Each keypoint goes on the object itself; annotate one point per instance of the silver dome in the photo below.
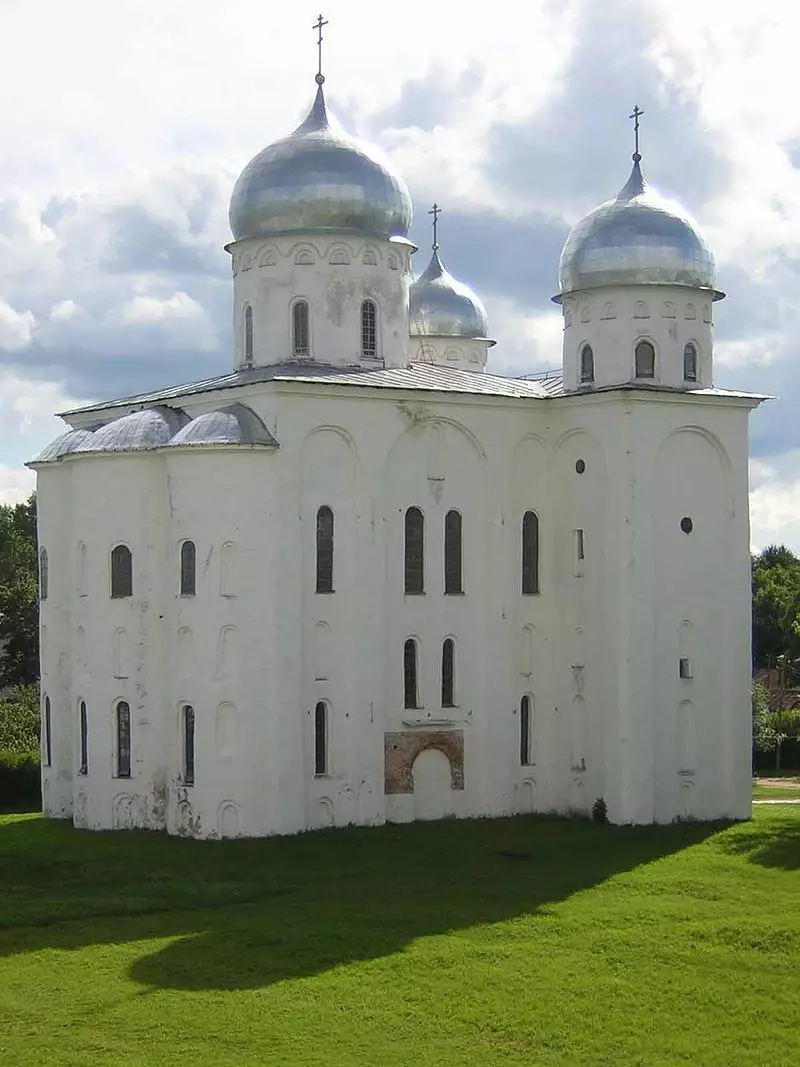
(440, 306)
(235, 424)
(319, 178)
(64, 445)
(638, 238)
(149, 428)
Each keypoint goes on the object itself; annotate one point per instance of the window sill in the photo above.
(459, 593)
(186, 596)
(322, 774)
(536, 593)
(420, 593)
(83, 772)
(324, 592)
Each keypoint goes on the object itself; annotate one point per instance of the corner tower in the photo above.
(638, 283)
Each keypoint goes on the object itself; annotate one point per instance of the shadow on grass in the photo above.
(775, 846)
(245, 914)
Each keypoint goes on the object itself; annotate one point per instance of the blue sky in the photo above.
(121, 143)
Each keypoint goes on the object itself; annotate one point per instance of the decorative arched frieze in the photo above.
(690, 312)
(338, 255)
(667, 310)
(304, 257)
(586, 313)
(609, 310)
(267, 255)
(641, 310)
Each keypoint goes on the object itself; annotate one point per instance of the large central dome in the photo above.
(319, 179)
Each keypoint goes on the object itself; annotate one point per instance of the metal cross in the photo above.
(637, 111)
(320, 78)
(436, 212)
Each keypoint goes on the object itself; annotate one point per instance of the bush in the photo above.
(600, 810)
(19, 719)
(20, 781)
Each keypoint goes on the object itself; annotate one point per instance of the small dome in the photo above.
(235, 424)
(149, 428)
(319, 178)
(440, 306)
(638, 238)
(68, 442)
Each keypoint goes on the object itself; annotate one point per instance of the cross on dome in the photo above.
(637, 111)
(320, 77)
(436, 212)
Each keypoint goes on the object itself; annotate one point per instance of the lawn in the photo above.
(525, 941)
(777, 786)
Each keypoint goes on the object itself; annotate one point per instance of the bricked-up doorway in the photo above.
(428, 764)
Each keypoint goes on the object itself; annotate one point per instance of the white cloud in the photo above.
(64, 310)
(16, 484)
(16, 328)
(148, 309)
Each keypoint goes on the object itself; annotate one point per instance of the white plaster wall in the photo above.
(460, 353)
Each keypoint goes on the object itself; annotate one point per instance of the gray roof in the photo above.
(67, 443)
(150, 428)
(235, 424)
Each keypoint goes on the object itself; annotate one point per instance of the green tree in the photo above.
(776, 607)
(765, 735)
(19, 595)
(19, 719)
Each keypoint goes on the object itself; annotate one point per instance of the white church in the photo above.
(359, 578)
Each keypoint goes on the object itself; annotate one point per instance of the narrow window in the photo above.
(248, 334)
(580, 545)
(123, 717)
(121, 571)
(369, 337)
(690, 363)
(410, 698)
(188, 744)
(48, 734)
(448, 673)
(415, 552)
(530, 552)
(684, 667)
(587, 364)
(43, 574)
(325, 550)
(321, 738)
(645, 360)
(452, 553)
(188, 569)
(83, 726)
(525, 731)
(300, 345)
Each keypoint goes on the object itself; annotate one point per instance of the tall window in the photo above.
(248, 334)
(121, 571)
(690, 363)
(123, 724)
(188, 569)
(83, 728)
(410, 695)
(448, 673)
(325, 550)
(369, 334)
(530, 552)
(300, 342)
(415, 551)
(321, 738)
(525, 731)
(43, 574)
(587, 364)
(188, 744)
(645, 356)
(452, 553)
(48, 734)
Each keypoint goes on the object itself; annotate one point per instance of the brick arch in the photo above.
(401, 750)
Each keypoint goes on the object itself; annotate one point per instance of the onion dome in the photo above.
(638, 238)
(149, 428)
(235, 424)
(441, 306)
(319, 179)
(67, 443)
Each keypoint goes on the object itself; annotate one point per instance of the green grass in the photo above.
(523, 941)
(778, 786)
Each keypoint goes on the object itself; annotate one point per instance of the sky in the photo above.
(124, 125)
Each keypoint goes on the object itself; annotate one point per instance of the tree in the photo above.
(776, 607)
(765, 735)
(19, 595)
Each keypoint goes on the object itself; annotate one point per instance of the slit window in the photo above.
(188, 569)
(452, 553)
(587, 364)
(43, 574)
(525, 731)
(530, 552)
(369, 332)
(123, 729)
(248, 334)
(685, 668)
(448, 673)
(121, 571)
(414, 552)
(321, 738)
(645, 359)
(690, 363)
(324, 550)
(188, 744)
(83, 728)
(300, 339)
(48, 734)
(410, 694)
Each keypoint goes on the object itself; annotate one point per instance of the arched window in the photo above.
(452, 553)
(410, 693)
(690, 363)
(43, 574)
(525, 731)
(83, 729)
(48, 734)
(645, 360)
(321, 738)
(188, 744)
(123, 731)
(369, 334)
(248, 334)
(448, 673)
(300, 341)
(188, 569)
(121, 571)
(587, 364)
(414, 552)
(530, 552)
(325, 550)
